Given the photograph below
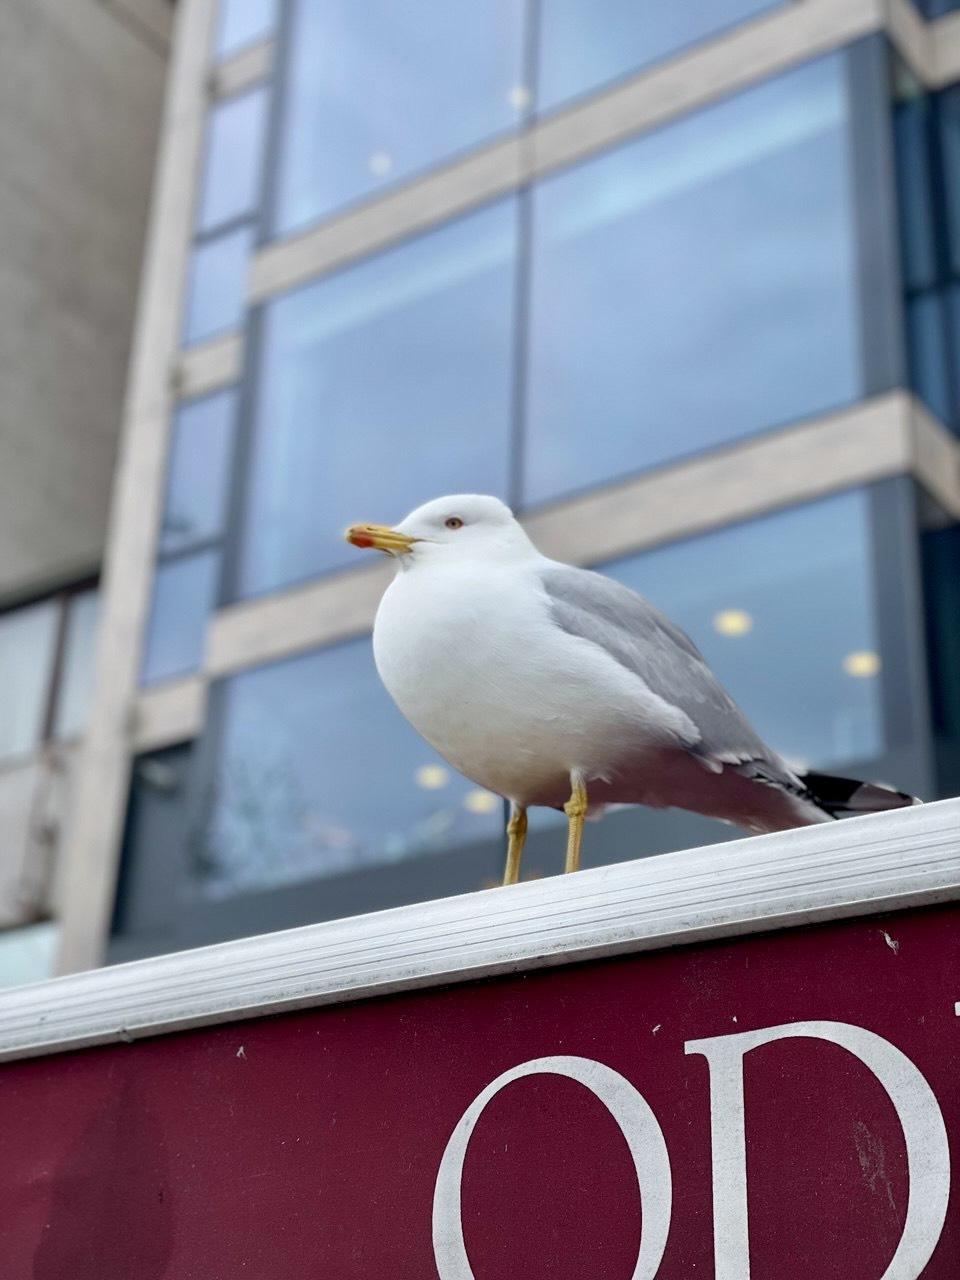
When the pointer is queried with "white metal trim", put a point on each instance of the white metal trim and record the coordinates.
(883, 862)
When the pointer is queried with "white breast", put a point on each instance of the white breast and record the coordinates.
(472, 658)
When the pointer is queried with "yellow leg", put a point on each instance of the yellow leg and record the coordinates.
(576, 811)
(516, 834)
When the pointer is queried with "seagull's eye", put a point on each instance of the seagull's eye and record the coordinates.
(453, 522)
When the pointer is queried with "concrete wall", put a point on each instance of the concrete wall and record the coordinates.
(81, 84)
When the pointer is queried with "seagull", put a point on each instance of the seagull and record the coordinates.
(552, 685)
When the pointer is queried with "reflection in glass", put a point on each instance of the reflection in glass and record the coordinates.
(217, 286)
(694, 286)
(306, 746)
(806, 671)
(380, 387)
(231, 175)
(76, 671)
(585, 43)
(378, 90)
(184, 592)
(198, 475)
(28, 639)
(240, 22)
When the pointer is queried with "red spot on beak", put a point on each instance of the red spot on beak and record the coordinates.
(361, 540)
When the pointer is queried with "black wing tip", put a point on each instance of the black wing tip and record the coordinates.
(838, 796)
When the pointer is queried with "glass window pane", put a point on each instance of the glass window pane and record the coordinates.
(911, 127)
(217, 287)
(783, 610)
(234, 155)
(199, 471)
(240, 22)
(184, 592)
(949, 109)
(927, 352)
(585, 43)
(76, 671)
(28, 953)
(694, 286)
(298, 794)
(380, 387)
(378, 90)
(28, 640)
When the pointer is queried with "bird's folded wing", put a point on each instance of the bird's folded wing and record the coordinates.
(641, 638)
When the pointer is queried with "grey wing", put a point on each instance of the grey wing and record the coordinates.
(646, 642)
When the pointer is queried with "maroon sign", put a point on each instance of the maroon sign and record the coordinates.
(777, 1106)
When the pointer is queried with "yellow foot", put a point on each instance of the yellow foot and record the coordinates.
(576, 811)
(516, 835)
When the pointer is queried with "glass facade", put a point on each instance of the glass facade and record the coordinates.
(594, 305)
(937, 8)
(291, 793)
(376, 92)
(231, 177)
(379, 388)
(927, 132)
(217, 284)
(778, 605)
(379, 92)
(307, 775)
(584, 44)
(724, 243)
(193, 520)
(184, 592)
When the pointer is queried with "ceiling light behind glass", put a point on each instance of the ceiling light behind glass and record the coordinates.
(732, 622)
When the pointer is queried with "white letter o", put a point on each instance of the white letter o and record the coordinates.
(636, 1122)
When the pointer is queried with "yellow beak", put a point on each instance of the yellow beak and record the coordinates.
(380, 536)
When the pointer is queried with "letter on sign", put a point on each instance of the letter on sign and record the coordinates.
(928, 1156)
(638, 1125)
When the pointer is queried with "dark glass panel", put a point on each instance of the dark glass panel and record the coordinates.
(928, 353)
(318, 775)
(912, 126)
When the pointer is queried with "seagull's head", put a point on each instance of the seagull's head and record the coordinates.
(466, 526)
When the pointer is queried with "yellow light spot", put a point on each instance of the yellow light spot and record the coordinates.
(732, 622)
(519, 97)
(862, 663)
(480, 801)
(380, 163)
(432, 777)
